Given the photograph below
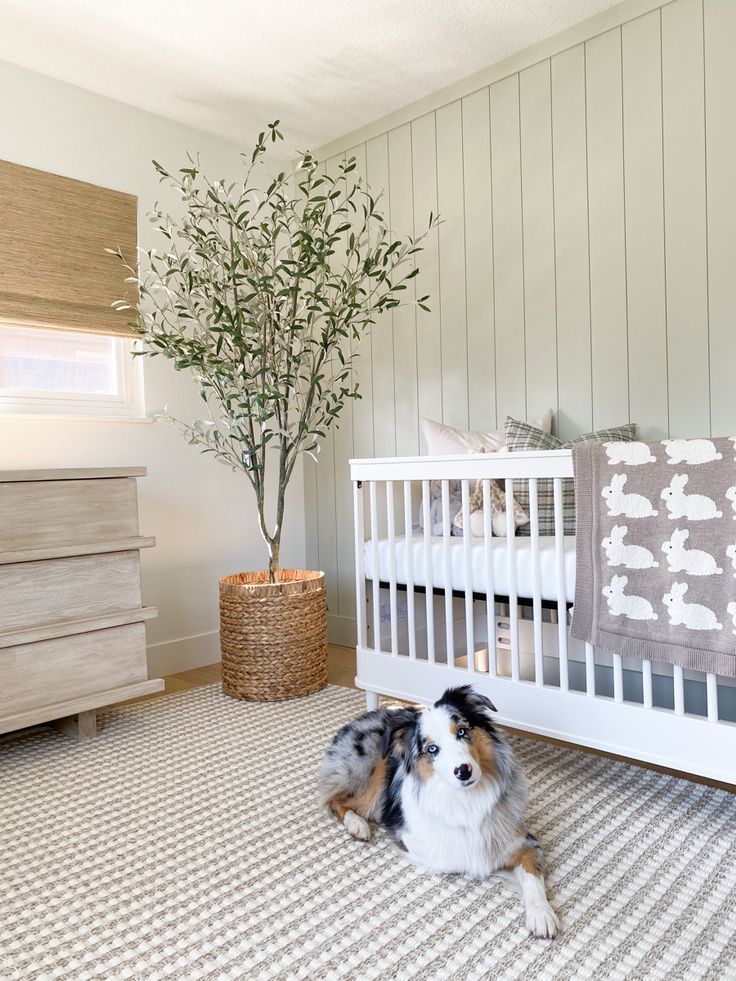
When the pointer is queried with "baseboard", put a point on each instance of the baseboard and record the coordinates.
(341, 630)
(173, 656)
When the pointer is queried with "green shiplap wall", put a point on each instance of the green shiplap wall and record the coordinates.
(586, 259)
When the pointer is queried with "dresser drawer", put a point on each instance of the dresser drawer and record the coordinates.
(58, 670)
(37, 593)
(58, 512)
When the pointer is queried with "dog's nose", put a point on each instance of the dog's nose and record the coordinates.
(463, 772)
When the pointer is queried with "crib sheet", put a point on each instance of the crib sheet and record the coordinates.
(409, 554)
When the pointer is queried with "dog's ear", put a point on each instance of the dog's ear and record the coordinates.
(465, 699)
(400, 722)
(481, 701)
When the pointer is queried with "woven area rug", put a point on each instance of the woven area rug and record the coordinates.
(185, 842)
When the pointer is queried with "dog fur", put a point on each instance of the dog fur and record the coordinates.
(444, 783)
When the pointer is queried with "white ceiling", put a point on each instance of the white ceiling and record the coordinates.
(324, 67)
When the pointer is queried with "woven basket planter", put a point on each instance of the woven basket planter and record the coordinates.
(273, 636)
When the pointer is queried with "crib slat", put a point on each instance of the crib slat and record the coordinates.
(561, 590)
(408, 540)
(447, 573)
(360, 594)
(618, 678)
(590, 670)
(513, 589)
(468, 577)
(646, 678)
(376, 599)
(711, 688)
(428, 577)
(490, 583)
(536, 584)
(678, 678)
(393, 606)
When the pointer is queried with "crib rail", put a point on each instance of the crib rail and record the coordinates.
(436, 608)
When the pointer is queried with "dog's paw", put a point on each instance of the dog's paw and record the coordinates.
(357, 826)
(541, 921)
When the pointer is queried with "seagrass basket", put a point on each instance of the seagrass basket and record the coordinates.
(273, 636)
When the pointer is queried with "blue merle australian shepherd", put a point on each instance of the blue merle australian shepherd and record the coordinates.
(444, 783)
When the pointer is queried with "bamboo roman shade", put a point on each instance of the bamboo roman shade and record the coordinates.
(54, 271)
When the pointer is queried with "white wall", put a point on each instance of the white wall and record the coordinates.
(202, 515)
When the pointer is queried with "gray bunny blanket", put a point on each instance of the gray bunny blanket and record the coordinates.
(656, 550)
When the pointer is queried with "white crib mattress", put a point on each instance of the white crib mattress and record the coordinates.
(409, 553)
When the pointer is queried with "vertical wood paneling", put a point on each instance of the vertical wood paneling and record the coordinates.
(720, 107)
(362, 414)
(508, 258)
(361, 446)
(429, 335)
(643, 183)
(586, 259)
(327, 517)
(311, 526)
(684, 207)
(608, 327)
(404, 317)
(311, 487)
(452, 266)
(535, 97)
(479, 260)
(571, 242)
(384, 433)
(343, 450)
(327, 489)
(311, 536)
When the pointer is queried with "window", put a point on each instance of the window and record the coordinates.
(65, 346)
(56, 372)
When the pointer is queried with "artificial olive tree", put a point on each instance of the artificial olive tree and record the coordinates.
(263, 296)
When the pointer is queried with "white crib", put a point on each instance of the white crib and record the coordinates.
(494, 611)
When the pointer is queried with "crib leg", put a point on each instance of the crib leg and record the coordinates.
(372, 700)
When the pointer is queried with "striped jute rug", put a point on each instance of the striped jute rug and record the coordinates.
(185, 842)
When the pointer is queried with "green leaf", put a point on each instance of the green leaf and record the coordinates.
(262, 296)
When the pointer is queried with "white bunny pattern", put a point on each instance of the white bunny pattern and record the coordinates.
(694, 616)
(731, 496)
(731, 554)
(731, 610)
(691, 451)
(695, 507)
(631, 556)
(694, 561)
(630, 454)
(628, 505)
(627, 605)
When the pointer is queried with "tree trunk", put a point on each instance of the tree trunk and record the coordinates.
(274, 547)
(273, 542)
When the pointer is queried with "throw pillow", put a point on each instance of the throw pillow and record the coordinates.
(523, 436)
(445, 440)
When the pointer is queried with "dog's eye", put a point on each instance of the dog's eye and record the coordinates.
(461, 732)
(432, 749)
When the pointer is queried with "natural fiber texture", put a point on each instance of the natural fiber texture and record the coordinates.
(55, 271)
(273, 636)
(186, 843)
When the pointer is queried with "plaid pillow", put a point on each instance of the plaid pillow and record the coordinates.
(522, 436)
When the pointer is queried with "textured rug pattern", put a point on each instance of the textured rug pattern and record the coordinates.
(185, 842)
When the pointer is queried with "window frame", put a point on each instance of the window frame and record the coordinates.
(126, 406)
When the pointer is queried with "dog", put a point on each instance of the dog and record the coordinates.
(445, 785)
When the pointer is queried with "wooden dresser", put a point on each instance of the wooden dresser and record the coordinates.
(72, 631)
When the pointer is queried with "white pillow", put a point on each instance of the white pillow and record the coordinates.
(445, 440)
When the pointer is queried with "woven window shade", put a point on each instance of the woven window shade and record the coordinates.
(54, 271)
